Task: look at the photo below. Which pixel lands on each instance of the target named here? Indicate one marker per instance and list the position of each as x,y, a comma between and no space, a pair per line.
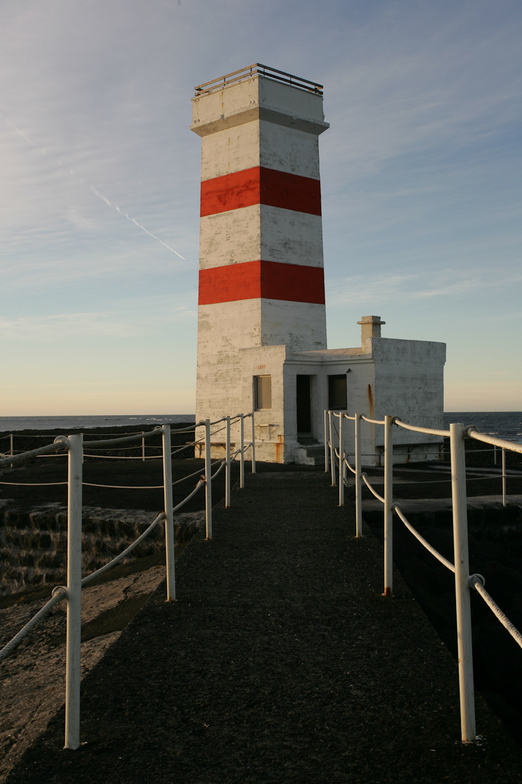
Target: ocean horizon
502,424
16,424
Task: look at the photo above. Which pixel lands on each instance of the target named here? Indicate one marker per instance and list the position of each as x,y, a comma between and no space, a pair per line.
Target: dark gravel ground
279,662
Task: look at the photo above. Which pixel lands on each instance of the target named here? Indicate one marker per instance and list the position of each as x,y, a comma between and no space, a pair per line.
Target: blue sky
421,183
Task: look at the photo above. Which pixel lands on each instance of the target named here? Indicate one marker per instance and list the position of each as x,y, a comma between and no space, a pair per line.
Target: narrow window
262,392
337,393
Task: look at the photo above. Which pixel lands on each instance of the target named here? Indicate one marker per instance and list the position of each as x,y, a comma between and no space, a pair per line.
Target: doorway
304,407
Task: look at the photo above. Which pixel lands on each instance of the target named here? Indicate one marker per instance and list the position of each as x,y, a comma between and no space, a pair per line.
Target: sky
421,174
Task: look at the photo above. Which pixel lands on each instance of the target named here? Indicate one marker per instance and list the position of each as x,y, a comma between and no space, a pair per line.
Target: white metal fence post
169,518
253,444
388,502
143,449
462,591
503,477
227,467
208,481
242,460
358,484
74,593
325,434
332,449
341,461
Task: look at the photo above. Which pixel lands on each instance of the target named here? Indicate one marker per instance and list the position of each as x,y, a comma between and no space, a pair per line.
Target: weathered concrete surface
257,128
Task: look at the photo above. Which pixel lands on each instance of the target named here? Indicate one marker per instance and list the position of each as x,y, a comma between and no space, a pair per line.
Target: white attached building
261,308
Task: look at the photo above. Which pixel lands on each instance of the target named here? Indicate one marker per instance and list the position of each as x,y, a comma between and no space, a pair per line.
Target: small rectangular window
337,393
262,392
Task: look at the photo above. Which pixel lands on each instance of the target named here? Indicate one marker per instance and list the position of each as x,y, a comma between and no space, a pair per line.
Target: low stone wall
33,541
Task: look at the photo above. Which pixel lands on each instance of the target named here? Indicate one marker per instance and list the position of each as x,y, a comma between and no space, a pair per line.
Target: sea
66,423
502,424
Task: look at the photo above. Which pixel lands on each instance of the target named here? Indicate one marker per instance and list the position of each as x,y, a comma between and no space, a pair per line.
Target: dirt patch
32,685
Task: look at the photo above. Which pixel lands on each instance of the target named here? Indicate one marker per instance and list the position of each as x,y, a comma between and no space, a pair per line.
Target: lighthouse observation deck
258,69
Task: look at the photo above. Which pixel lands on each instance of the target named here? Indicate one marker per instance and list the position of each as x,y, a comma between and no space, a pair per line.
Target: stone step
312,454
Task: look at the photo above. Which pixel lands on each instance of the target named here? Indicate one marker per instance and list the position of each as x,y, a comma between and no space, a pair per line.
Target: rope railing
74,446
128,550
60,592
336,460
143,458
478,582
57,596
370,487
25,457
348,466
99,439
33,484
472,432
416,429
424,541
372,421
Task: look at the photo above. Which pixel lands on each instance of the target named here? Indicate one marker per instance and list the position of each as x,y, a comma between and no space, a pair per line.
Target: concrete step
310,455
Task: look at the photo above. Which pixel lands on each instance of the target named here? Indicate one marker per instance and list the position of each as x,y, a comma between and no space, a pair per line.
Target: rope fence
337,461
74,447
100,440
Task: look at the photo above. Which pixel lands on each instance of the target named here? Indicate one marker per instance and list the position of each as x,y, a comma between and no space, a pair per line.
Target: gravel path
280,662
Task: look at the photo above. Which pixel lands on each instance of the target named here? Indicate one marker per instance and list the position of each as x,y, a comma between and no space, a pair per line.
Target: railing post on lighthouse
462,591
169,518
74,593
388,503
208,481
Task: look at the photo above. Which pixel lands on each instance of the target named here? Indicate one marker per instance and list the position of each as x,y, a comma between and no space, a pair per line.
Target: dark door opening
304,407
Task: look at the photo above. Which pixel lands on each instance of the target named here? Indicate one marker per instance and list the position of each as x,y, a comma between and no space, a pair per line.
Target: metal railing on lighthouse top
253,70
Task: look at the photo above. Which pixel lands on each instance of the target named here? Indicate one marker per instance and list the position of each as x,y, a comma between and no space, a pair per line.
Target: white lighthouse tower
261,305
261,276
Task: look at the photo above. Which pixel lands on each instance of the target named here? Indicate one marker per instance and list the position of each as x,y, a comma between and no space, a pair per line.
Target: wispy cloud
412,83
442,283
102,324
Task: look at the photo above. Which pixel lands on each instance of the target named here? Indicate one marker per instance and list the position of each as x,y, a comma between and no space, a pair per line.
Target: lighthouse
261,301
261,273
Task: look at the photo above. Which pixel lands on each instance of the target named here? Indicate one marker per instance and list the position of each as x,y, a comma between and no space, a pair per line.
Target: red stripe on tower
256,279
260,186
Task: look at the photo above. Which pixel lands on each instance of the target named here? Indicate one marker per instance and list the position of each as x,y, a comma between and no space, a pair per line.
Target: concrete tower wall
261,256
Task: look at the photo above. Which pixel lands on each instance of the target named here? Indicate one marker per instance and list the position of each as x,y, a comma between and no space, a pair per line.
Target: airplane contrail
133,220
99,195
